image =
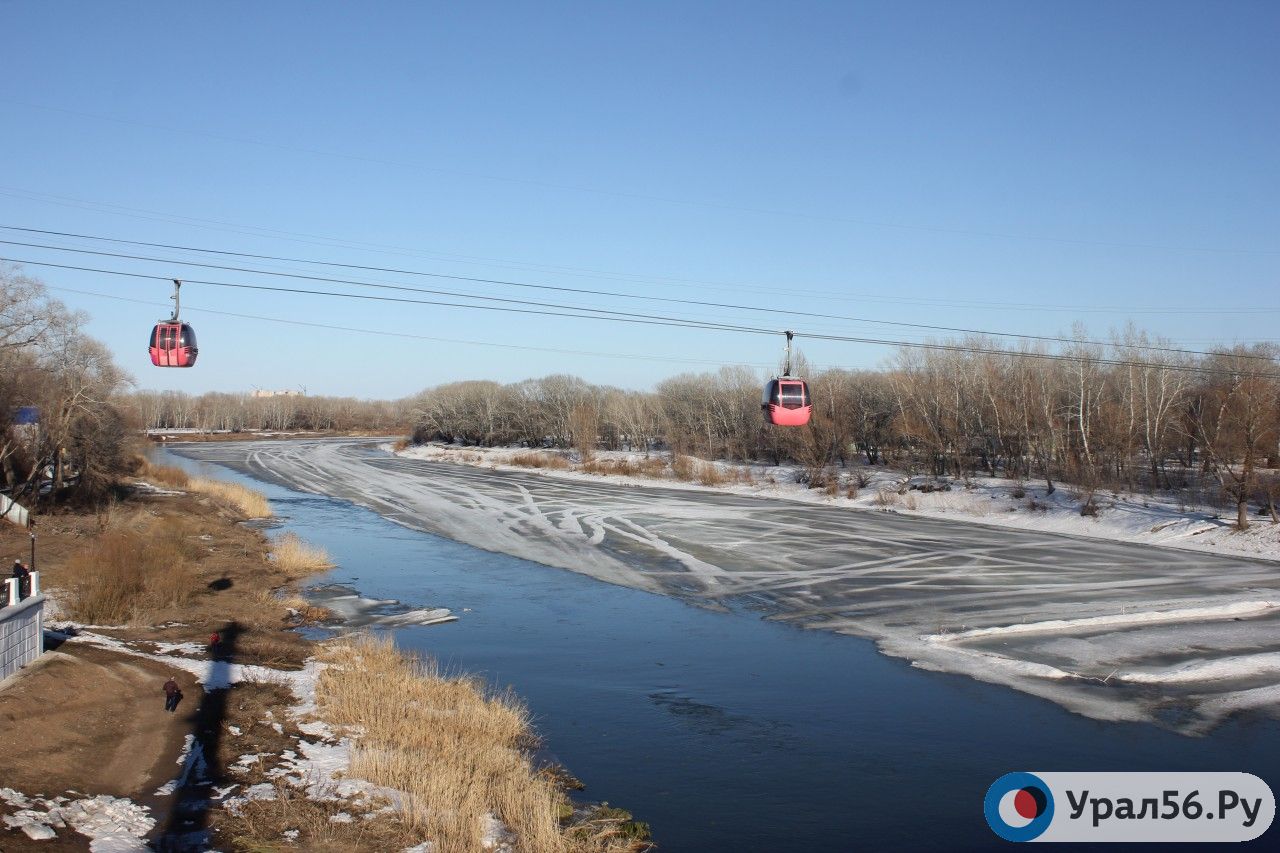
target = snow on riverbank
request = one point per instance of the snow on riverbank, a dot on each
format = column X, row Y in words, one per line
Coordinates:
column 112, row 824
column 1151, row 519
column 319, row 766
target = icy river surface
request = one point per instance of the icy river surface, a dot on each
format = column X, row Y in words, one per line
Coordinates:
column 668, row 693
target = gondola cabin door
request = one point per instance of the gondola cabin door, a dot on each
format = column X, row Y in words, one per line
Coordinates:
column 173, row 345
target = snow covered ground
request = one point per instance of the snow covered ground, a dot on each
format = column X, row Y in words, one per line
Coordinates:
column 1103, row 626
column 320, row 765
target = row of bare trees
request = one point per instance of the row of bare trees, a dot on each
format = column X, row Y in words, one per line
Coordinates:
column 1133, row 414
column 223, row 412
column 67, row 384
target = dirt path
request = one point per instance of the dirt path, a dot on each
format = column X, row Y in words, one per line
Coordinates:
column 104, row 710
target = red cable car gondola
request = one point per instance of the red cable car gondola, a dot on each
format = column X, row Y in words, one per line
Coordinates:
column 173, row 342
column 786, row 397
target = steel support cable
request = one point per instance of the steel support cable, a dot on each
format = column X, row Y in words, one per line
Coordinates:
column 409, row 335
column 596, row 313
column 529, row 285
column 657, row 320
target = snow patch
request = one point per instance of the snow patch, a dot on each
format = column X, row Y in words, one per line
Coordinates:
column 112, row 824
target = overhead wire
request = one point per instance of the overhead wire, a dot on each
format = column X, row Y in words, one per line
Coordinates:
column 658, row 320
column 663, row 281
column 1143, row 347
column 409, row 335
column 584, row 313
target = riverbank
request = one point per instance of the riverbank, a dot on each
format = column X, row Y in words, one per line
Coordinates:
column 260, row 752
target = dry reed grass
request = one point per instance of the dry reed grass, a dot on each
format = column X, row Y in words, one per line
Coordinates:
column 682, row 467
column 458, row 751
column 538, row 459
column 127, row 574
column 249, row 503
column 308, row 613
column 652, row 467
column 296, row 558
column 709, row 474
column 168, row 475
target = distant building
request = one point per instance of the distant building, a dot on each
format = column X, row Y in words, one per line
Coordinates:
column 263, row 392
column 26, row 426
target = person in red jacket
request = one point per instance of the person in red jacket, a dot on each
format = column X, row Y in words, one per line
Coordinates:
column 172, row 695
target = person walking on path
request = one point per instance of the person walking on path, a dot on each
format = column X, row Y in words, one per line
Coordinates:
column 172, row 695
column 215, row 643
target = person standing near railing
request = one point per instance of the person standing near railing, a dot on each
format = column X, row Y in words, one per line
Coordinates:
column 23, row 576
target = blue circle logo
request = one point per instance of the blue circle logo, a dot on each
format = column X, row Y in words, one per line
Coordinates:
column 1018, row 806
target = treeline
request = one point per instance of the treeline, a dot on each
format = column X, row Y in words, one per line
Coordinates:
column 216, row 411
column 60, row 422
column 1131, row 414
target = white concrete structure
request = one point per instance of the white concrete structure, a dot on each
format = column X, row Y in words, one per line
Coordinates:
column 12, row 512
column 21, row 626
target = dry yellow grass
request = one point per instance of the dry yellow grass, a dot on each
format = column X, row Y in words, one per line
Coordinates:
column 709, row 474
column 296, row 558
column 168, row 475
column 682, row 467
column 457, row 750
column 537, row 459
column 651, row 467
column 250, row 503
column 128, row 573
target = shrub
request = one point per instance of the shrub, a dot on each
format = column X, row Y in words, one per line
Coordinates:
column 168, row 475
column 709, row 474
column 538, row 459
column 296, row 558
column 126, row 575
column 248, row 502
column 682, row 467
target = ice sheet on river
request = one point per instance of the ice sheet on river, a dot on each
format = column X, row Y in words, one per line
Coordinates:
column 1111, row 630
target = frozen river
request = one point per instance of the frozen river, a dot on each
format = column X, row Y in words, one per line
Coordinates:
column 1111, row 630
column 725, row 730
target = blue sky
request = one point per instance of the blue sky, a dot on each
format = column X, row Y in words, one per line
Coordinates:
column 1006, row 166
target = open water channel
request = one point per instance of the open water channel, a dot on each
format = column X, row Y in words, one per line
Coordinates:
column 726, row 731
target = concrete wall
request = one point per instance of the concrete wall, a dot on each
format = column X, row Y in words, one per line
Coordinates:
column 12, row 512
column 21, row 632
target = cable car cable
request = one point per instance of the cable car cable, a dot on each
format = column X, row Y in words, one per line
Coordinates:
column 385, row 333
column 675, row 322
column 597, row 313
column 508, row 283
